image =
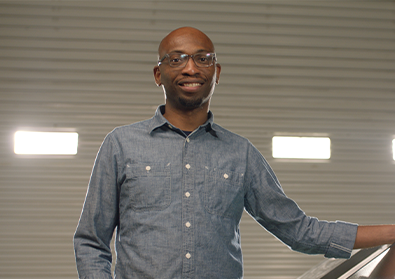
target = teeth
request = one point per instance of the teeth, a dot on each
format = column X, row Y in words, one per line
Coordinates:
column 191, row 84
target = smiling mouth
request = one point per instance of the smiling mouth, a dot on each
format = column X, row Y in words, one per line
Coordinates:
column 191, row 84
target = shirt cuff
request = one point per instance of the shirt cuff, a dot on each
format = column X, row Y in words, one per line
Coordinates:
column 343, row 240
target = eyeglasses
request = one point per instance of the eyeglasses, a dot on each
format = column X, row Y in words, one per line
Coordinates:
column 179, row 60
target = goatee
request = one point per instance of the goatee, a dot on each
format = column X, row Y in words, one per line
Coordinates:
column 190, row 104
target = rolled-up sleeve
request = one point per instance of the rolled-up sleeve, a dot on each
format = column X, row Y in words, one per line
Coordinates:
column 343, row 239
column 267, row 203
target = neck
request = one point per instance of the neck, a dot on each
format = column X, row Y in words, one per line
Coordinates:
column 186, row 120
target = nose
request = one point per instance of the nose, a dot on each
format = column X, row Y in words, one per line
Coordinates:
column 190, row 68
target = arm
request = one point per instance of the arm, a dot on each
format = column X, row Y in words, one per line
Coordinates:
column 99, row 217
column 370, row 236
column 280, row 215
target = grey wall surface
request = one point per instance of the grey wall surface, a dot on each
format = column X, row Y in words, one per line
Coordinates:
column 288, row 67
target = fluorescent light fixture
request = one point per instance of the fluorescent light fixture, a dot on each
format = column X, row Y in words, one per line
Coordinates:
column 301, row 147
column 45, row 143
column 393, row 149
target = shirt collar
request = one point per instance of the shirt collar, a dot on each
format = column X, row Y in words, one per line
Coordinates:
column 159, row 121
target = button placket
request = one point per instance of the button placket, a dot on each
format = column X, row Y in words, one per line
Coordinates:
column 188, row 209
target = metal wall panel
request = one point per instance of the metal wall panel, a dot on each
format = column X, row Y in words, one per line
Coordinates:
column 288, row 67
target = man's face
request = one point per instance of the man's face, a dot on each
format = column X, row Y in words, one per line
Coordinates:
column 188, row 87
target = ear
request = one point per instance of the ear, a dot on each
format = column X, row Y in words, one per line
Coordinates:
column 218, row 72
column 157, row 76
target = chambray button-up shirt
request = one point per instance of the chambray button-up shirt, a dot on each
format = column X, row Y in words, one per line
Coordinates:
column 176, row 203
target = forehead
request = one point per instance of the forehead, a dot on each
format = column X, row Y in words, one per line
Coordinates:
column 186, row 41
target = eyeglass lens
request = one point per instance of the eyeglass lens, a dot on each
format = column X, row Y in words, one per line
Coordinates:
column 200, row 59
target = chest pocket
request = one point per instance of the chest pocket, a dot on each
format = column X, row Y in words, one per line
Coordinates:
column 148, row 186
column 224, row 195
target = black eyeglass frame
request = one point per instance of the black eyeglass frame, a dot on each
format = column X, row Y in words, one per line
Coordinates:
column 212, row 54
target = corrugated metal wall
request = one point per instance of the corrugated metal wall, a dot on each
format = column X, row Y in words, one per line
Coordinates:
column 287, row 67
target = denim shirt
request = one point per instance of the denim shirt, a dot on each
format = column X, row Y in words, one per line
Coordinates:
column 176, row 203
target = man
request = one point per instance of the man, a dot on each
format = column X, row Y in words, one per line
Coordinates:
column 175, row 187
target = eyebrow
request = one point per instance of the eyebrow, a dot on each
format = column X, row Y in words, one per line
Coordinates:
column 199, row 50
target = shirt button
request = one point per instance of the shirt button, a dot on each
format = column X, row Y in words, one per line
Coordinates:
column 188, row 225
column 188, row 166
column 226, row 176
column 187, row 194
column 188, row 140
column 147, row 168
column 188, row 256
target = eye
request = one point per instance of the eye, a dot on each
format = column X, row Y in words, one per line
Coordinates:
column 176, row 58
column 203, row 59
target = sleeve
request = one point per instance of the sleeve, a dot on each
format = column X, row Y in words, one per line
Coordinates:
column 99, row 216
column 267, row 203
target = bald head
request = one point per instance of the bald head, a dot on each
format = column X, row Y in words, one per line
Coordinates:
column 182, row 36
